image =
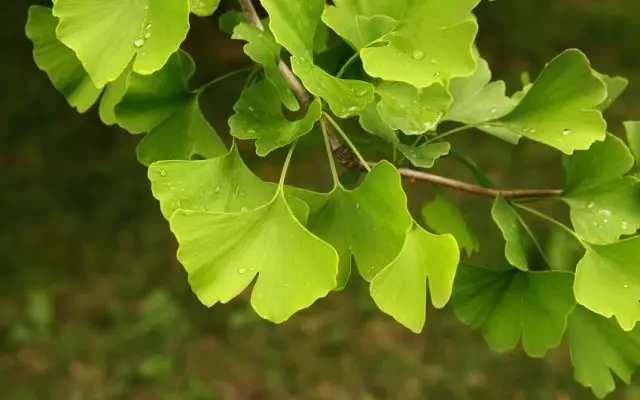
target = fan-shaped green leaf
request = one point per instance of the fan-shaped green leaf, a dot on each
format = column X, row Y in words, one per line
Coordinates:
column 204, row 8
column 443, row 217
column 107, row 34
column 223, row 253
column 599, row 348
column 604, row 205
column 262, row 48
column 162, row 105
column 400, row 289
column 507, row 305
column 615, row 87
column 413, row 111
column 513, row 232
column 633, row 137
column 345, row 97
column 425, row 155
column 259, row 116
column 560, row 108
column 371, row 122
column 608, row 281
column 294, row 23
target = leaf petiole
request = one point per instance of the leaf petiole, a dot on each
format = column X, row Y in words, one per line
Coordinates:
column 550, row 220
column 285, row 167
column 364, row 162
column 224, row 77
column 332, row 163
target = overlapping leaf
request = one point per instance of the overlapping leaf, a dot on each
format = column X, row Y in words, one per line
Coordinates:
column 633, row 137
column 430, row 43
column 223, row 252
column 616, row 85
column 560, row 109
column 369, row 222
column 204, row 8
column 262, row 48
column 507, row 305
column 608, row 281
column 604, row 204
column 107, row 35
column 413, row 111
column 162, row 105
column 599, row 349
column 294, row 24
column 259, row 116
column 443, row 217
column 400, row 289
column 345, row 97
column 514, row 233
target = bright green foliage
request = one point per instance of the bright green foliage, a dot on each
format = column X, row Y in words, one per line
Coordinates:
column 400, row 289
column 615, row 87
column 162, row 105
column 107, row 34
column 223, row 253
column 259, row 116
column 345, row 98
column 604, row 205
column 599, row 348
column 411, row 110
column 513, row 231
column 443, row 217
column 294, row 23
column 633, row 137
column 505, row 305
column 204, row 8
column 58, row 61
column 374, row 215
column 431, row 42
column 262, row 48
column 608, row 281
column 560, row 109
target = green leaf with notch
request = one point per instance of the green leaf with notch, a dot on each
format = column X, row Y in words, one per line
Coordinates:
column 443, row 217
column 259, row 116
column 507, row 305
column 294, row 23
column 560, row 108
column 400, row 289
column 608, row 281
column 599, row 349
column 345, row 97
column 616, row 85
column 107, row 35
column 223, row 252
column 162, row 105
column 514, row 233
column 604, row 204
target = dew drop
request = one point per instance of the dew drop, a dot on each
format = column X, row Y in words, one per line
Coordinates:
column 139, row 42
column 251, row 132
column 244, row 209
column 436, row 75
column 494, row 109
column 353, row 109
column 418, row 55
column 567, row 132
column 358, row 206
column 625, row 225
column 163, row 172
column 146, row 7
column 147, row 35
column 148, row 26
column 286, row 284
column 604, row 212
column 591, row 205
column 217, row 189
column 242, row 271
column 625, row 286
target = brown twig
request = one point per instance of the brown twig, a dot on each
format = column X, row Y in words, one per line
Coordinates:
column 346, row 157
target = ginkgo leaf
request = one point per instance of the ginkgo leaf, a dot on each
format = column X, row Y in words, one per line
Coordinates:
column 204, row 8
column 259, row 116
column 294, row 23
column 162, row 105
column 513, row 232
column 633, row 137
column 371, row 122
column 230, row 19
column 222, row 185
column 608, row 281
column 604, row 205
column 425, row 155
column 262, row 48
column 59, row 62
column 400, row 289
column 560, row 108
column 431, row 43
column 599, row 349
column 413, row 111
column 441, row 216
column 223, row 252
column 369, row 222
column 507, row 305
column 107, row 34
column 476, row 100
column 616, row 85
column 345, row 97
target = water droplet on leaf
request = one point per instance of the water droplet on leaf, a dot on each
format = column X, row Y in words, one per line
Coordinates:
column 567, row 132
column 139, row 42
column 242, row 271
column 244, row 209
column 418, row 55
column 163, row 172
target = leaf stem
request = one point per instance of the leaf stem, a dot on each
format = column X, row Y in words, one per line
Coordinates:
column 449, row 133
column 332, row 163
column 549, row 219
column 349, row 142
column 285, row 167
column 224, row 77
column 347, row 64
column 534, row 239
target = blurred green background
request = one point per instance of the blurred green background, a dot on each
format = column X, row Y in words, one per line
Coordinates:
column 93, row 304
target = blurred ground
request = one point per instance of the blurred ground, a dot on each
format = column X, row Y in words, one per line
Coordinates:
column 93, row 304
